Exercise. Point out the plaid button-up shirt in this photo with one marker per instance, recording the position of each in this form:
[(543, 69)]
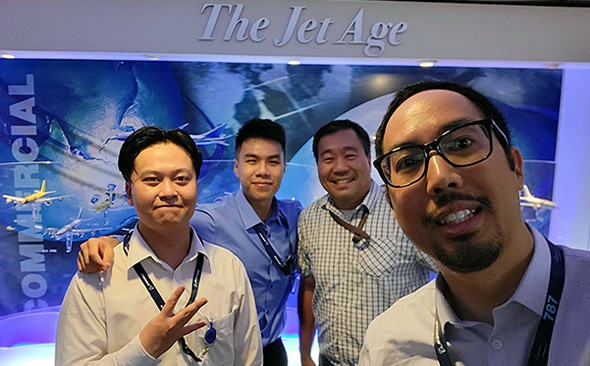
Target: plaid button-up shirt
[(356, 282)]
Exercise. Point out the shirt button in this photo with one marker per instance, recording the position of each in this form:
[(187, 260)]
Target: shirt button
[(497, 344)]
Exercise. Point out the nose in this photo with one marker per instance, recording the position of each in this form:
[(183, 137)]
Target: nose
[(262, 169), (167, 189), (441, 176), (340, 165)]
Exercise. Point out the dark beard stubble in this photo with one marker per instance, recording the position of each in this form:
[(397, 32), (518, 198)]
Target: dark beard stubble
[(468, 255)]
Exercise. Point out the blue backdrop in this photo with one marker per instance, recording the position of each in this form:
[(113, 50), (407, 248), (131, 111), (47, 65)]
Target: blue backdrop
[(63, 122)]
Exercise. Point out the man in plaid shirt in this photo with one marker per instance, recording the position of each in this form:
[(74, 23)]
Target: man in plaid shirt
[(354, 259)]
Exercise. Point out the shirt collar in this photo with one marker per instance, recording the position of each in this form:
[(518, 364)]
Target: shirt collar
[(445, 313), (249, 216), (368, 202), (139, 250), (535, 281)]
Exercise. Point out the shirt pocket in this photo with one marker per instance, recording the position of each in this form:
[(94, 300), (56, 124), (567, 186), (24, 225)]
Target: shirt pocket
[(221, 351), (377, 256)]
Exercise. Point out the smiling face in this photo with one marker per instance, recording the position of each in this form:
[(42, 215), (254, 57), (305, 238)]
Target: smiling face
[(163, 188), (343, 168), (462, 216), (260, 166)]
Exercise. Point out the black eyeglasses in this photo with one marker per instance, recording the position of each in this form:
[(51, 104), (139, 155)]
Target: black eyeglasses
[(461, 146)]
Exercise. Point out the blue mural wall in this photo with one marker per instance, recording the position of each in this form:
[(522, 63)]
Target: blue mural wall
[(63, 122)]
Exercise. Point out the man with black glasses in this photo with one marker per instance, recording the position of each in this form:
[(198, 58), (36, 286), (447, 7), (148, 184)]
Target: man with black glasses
[(505, 294), (119, 317)]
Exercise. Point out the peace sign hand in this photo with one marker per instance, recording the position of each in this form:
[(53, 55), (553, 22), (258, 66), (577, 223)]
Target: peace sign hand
[(160, 333)]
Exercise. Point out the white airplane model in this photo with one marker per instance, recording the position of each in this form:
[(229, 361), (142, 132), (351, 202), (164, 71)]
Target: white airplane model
[(528, 200), (69, 231), (38, 196), (214, 136)]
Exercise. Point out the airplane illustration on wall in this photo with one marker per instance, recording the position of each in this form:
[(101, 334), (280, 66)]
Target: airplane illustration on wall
[(528, 200), (38, 196), (213, 136), (69, 231), (107, 203), (109, 200)]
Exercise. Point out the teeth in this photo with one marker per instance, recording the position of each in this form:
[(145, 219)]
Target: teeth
[(457, 217)]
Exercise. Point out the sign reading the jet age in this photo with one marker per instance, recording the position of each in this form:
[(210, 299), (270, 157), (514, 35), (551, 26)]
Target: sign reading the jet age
[(300, 28)]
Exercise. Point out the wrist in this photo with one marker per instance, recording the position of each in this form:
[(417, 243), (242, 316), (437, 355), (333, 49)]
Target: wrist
[(134, 354), (305, 355), (148, 347)]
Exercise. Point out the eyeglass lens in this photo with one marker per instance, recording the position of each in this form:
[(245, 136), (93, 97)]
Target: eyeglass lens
[(462, 146)]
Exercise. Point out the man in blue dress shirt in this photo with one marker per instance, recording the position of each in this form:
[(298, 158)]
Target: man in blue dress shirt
[(244, 221), (258, 228)]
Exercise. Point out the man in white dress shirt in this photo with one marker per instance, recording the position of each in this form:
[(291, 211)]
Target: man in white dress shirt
[(119, 317)]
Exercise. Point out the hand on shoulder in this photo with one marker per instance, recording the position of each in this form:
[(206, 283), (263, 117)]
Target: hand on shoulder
[(96, 254)]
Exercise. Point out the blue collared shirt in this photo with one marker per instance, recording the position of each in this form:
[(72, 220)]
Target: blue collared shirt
[(229, 222)]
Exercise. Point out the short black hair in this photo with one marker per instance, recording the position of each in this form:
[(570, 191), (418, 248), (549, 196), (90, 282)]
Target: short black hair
[(261, 129), (485, 106), (340, 125), (152, 135)]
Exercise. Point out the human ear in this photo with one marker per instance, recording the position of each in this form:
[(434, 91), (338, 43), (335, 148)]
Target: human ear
[(517, 158), (129, 193), (236, 170)]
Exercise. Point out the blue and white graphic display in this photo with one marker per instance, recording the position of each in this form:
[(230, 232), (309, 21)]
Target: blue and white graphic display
[(62, 124)]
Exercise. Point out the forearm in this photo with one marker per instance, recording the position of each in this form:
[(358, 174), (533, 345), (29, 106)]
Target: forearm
[(306, 317)]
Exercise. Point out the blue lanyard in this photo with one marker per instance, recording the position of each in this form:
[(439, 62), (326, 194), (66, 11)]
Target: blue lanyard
[(540, 350)]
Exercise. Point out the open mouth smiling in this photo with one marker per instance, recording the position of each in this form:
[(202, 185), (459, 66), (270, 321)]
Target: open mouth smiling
[(458, 217), (342, 180)]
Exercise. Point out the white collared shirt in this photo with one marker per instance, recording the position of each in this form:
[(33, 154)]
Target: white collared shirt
[(103, 313)]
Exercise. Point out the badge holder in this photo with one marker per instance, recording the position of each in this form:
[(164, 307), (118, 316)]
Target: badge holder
[(209, 339)]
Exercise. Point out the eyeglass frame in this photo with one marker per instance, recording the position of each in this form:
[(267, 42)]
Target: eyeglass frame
[(488, 123)]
